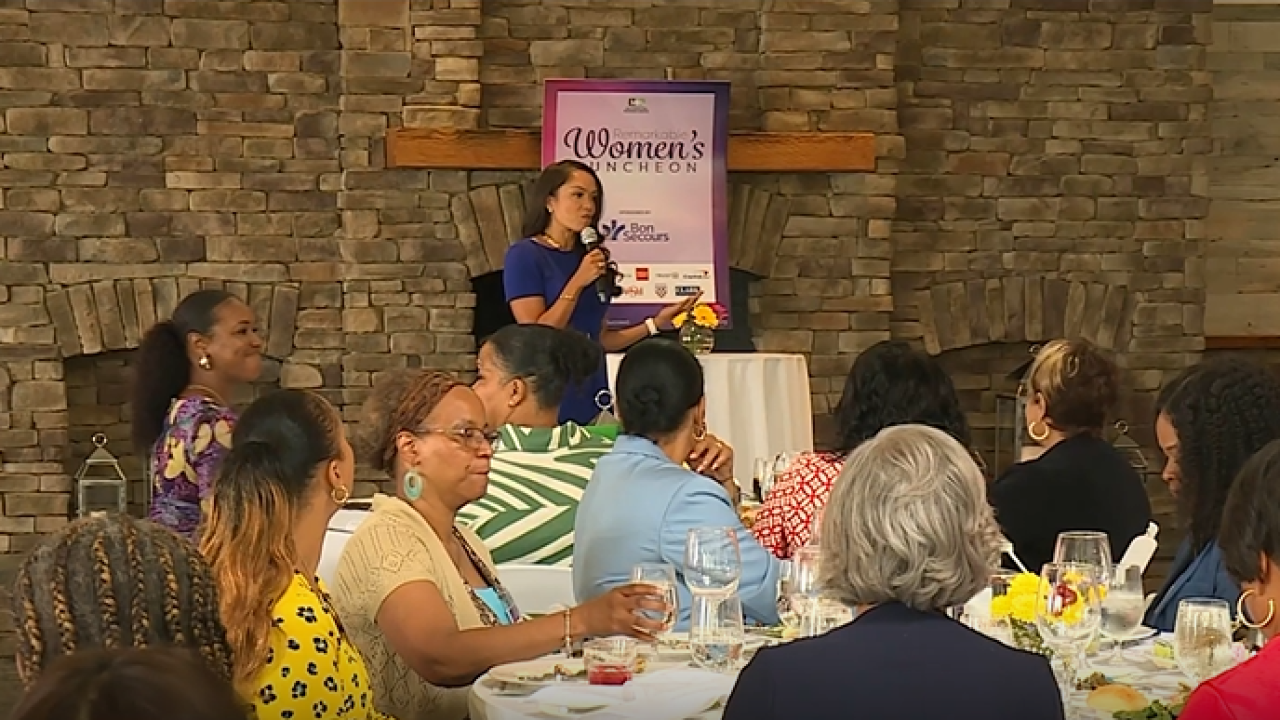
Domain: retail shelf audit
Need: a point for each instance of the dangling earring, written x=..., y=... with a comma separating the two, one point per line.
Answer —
x=699, y=432
x=411, y=484
x=1031, y=430
x=1244, y=619
x=205, y=363
x=340, y=495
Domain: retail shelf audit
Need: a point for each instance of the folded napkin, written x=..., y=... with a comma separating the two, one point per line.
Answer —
x=577, y=696
x=675, y=694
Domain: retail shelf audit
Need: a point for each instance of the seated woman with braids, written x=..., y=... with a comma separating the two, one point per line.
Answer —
x=115, y=582
x=288, y=471
x=540, y=467
x=420, y=592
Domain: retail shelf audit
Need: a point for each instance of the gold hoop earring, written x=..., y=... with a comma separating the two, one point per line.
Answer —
x=1243, y=619
x=699, y=432
x=205, y=363
x=340, y=495
x=1031, y=430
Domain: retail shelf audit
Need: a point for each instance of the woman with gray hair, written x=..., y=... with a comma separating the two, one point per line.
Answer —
x=907, y=534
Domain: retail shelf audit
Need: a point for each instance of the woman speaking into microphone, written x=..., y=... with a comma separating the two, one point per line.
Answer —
x=551, y=277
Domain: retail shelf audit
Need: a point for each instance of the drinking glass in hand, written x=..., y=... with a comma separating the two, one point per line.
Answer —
x=1085, y=548
x=1069, y=614
x=663, y=577
x=712, y=561
x=1202, y=638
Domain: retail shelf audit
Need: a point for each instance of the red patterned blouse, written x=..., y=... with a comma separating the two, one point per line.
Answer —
x=784, y=521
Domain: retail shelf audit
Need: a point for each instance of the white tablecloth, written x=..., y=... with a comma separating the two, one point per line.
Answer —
x=757, y=402
x=1135, y=666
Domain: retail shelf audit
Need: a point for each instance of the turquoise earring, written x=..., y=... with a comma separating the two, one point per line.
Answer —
x=412, y=484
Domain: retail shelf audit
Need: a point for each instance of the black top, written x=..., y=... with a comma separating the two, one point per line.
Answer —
x=1082, y=483
x=899, y=663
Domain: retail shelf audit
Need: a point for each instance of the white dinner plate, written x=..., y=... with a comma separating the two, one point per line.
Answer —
x=540, y=672
x=1141, y=633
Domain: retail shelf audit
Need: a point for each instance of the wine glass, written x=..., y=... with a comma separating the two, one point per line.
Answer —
x=1085, y=548
x=1202, y=638
x=762, y=478
x=1069, y=614
x=712, y=561
x=786, y=612
x=663, y=577
x=1123, y=605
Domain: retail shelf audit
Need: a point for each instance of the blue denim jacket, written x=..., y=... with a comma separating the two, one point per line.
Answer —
x=1202, y=575
x=639, y=507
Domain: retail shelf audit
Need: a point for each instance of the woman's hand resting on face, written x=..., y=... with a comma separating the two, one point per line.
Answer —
x=619, y=612
x=713, y=457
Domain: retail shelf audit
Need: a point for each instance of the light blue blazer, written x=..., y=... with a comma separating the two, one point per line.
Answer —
x=639, y=507
x=1200, y=576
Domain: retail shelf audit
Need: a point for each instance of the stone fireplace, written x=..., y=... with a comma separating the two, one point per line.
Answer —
x=1029, y=180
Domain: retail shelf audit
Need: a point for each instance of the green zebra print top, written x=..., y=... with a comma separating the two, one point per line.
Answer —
x=536, y=479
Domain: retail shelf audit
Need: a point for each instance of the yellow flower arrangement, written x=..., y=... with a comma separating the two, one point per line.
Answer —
x=1018, y=605
x=702, y=315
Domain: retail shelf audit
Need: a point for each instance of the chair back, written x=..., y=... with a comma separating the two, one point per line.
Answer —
x=538, y=589
x=341, y=526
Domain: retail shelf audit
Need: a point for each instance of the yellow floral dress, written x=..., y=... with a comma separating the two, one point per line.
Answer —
x=313, y=671
x=185, y=460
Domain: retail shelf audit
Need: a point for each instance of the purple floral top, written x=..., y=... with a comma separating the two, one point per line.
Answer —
x=185, y=461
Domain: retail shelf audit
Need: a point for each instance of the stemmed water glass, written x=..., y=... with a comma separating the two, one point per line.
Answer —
x=663, y=577
x=1202, y=638
x=1085, y=548
x=1123, y=605
x=712, y=561
x=1069, y=614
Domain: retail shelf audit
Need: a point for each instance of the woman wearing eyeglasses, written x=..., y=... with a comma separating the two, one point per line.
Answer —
x=419, y=593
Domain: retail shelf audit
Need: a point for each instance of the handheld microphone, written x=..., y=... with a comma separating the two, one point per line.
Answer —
x=604, y=284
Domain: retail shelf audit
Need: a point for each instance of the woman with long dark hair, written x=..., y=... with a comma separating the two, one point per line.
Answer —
x=290, y=469
x=186, y=370
x=1218, y=415
x=550, y=277
x=890, y=384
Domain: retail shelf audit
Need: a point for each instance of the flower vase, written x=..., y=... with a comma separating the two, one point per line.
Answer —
x=697, y=339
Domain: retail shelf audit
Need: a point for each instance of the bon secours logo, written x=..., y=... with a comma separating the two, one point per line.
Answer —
x=633, y=232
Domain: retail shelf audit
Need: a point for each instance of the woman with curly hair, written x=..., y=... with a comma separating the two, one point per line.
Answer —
x=890, y=384
x=1220, y=414
x=1080, y=481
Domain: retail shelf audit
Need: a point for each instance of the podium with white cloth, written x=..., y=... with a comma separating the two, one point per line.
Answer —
x=757, y=402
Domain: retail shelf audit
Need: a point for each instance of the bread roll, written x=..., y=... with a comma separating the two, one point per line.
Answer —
x=1117, y=698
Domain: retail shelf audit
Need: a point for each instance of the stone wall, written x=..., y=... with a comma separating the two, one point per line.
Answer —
x=1039, y=172
x=1243, y=263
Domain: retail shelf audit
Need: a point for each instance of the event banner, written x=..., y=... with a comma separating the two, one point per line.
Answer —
x=659, y=148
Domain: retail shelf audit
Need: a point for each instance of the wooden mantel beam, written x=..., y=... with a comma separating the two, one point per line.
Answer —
x=1242, y=342
x=522, y=150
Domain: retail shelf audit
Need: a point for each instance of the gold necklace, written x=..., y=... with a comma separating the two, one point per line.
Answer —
x=210, y=392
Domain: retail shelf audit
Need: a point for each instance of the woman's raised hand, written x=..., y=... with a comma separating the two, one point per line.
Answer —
x=620, y=612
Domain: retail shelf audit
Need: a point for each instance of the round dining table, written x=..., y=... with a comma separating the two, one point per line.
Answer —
x=675, y=690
